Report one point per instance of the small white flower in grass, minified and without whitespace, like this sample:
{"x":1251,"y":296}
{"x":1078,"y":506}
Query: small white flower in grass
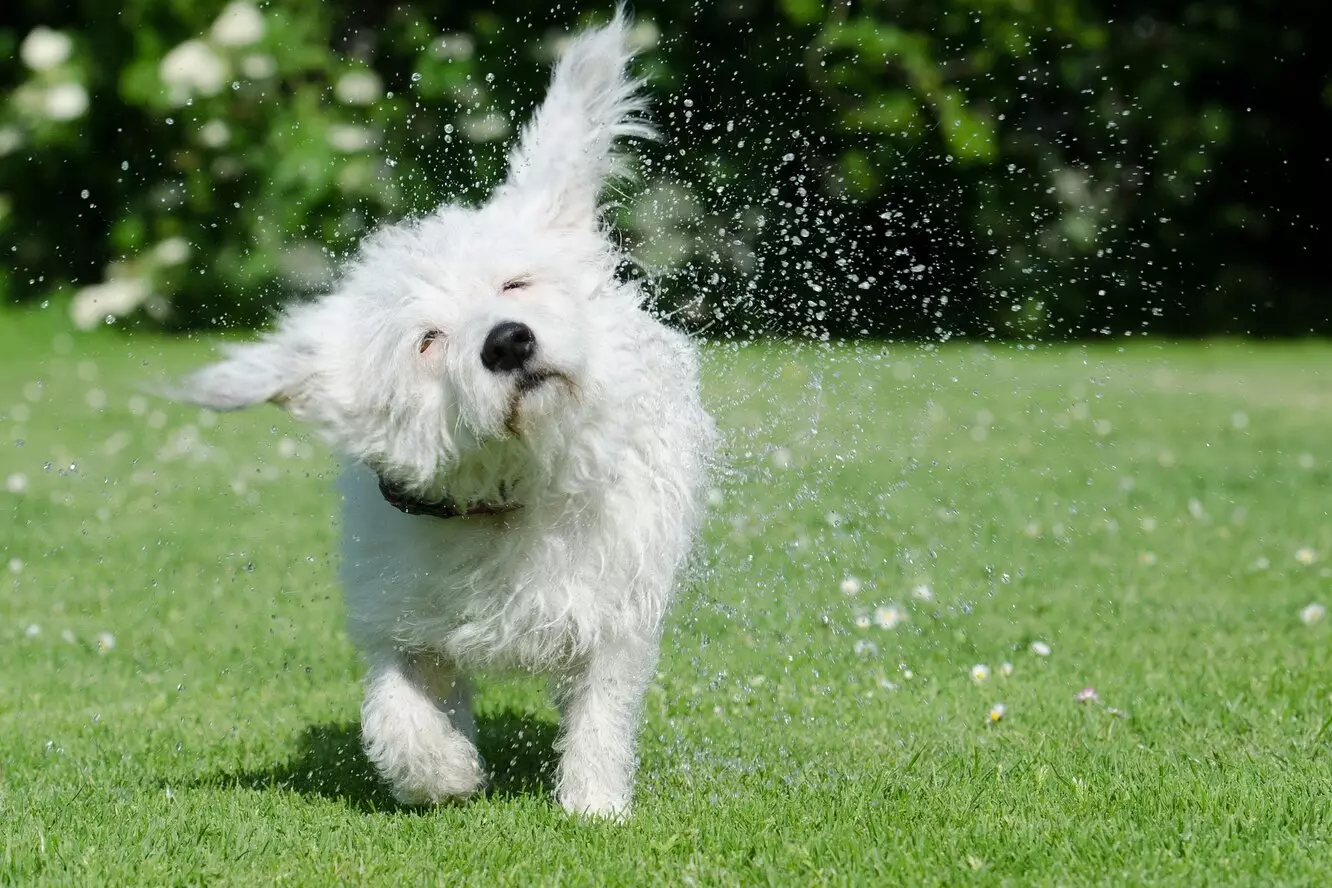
{"x":922,"y":592}
{"x":866,"y":648}
{"x":1306,"y":461}
{"x":67,"y":636}
{"x":850,"y":586}
{"x":1306,"y":555}
{"x":1196,"y":510}
{"x":890,"y":616}
{"x":65,"y":102}
{"x":44,"y":48}
{"x":782,"y":459}
{"x":1312,"y":613}
{"x":32,"y":631}
{"x":17,"y":483}
{"x":358,"y":88}
{"x":105,"y":642}
{"x":1040,"y":649}
{"x":980,"y":673}
{"x":16,"y":565}
{"x":996,"y":713}
{"x":1086,"y":695}
{"x":240,"y":24}
{"x":1005,"y":669}
{"x":862,"y":621}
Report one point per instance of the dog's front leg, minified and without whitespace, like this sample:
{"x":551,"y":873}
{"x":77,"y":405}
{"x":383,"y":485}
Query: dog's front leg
{"x":600,"y":705}
{"x":417,"y":726}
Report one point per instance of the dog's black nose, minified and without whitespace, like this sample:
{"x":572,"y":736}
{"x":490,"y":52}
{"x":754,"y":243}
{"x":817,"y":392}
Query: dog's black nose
{"x":508,"y":346}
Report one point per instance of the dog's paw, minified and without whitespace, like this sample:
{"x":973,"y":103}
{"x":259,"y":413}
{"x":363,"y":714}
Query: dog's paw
{"x":591,"y":804}
{"x":425,"y":764}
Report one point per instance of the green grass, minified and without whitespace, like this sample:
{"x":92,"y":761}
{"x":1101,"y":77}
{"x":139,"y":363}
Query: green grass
{"x":1138,"y":509}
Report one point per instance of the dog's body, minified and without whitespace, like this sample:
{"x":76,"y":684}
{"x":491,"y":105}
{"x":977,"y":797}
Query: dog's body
{"x":525,"y":447}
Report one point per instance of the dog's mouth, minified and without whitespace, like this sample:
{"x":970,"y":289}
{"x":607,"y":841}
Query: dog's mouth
{"x":528,"y":382}
{"x":535,"y":379}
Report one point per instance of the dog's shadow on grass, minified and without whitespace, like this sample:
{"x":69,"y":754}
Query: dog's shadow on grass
{"x":330,"y":763}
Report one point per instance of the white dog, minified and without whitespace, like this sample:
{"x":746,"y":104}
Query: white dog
{"x":524,"y":449}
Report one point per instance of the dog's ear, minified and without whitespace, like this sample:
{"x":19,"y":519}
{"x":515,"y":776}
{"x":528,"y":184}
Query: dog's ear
{"x":566,"y":152}
{"x":282,"y":367}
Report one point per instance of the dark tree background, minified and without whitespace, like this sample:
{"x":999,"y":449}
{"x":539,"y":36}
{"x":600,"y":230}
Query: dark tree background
{"x":999,"y":168}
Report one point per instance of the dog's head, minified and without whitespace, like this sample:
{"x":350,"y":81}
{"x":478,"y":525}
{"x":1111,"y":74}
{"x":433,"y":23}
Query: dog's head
{"x":471,"y":327}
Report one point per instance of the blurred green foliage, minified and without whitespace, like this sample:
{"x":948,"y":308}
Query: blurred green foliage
{"x":1014,"y":168}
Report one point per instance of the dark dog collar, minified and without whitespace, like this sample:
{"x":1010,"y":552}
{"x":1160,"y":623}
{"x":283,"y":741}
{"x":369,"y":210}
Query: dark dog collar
{"x":409,"y":504}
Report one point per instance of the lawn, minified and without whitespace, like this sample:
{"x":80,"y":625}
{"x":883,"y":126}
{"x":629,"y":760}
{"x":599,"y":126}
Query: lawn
{"x":179,"y":702}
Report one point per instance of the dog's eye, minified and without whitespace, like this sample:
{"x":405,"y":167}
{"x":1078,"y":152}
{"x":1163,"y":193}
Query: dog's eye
{"x":516,"y":284}
{"x":427,"y":339}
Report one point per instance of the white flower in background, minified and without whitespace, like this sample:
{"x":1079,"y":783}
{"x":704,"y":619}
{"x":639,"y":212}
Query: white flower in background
{"x":358,"y":88}
{"x":44,"y":49}
{"x":980,"y":673}
{"x":850,"y":586}
{"x":65,"y":101}
{"x":486,"y":129}
{"x":1306,"y":556}
{"x":453,"y":46}
{"x":258,"y":66}
{"x":1005,"y":669}
{"x":1040,"y":649}
{"x":172,"y":251}
{"x":240,"y":24}
{"x":643,"y":35}
{"x":18,"y":483}
{"x":193,"y":69}
{"x":114,"y":297}
{"x":996,"y":713}
{"x":922,"y":592}
{"x":1312,"y":613}
{"x":349,"y":138}
{"x":215,"y":134}
{"x":105,"y":642}
{"x":10,"y":140}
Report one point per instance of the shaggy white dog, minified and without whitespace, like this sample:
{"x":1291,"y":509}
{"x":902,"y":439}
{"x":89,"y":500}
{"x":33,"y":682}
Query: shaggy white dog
{"x":524,"y":447}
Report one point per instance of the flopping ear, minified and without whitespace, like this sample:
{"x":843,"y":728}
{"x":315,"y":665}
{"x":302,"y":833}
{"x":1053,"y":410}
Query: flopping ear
{"x":280,"y":368}
{"x":566,"y":152}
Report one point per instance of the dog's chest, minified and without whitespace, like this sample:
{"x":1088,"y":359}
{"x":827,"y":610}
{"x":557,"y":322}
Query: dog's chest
{"x":504,"y":591}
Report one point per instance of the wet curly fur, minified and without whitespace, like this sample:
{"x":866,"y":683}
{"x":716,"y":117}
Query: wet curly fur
{"x":591,"y":437}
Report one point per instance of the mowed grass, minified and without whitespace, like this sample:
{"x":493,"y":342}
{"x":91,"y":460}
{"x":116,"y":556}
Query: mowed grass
{"x":179,"y":702}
